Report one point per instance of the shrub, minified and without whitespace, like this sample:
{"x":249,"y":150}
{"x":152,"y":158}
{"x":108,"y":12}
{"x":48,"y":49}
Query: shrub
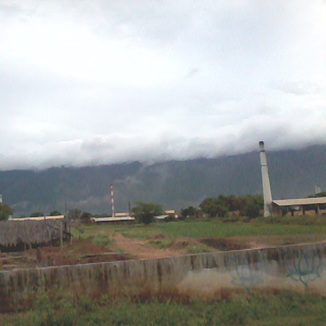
{"x":145,"y":212}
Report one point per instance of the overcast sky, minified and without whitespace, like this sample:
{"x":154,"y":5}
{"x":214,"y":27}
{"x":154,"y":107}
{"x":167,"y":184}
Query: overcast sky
{"x":94,"y":82}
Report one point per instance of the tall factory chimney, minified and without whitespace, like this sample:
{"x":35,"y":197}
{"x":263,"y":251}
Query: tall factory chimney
{"x":265,"y":179}
{"x":112,"y":201}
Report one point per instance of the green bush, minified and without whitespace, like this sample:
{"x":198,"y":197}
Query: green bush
{"x":145,"y":212}
{"x":5,"y":211}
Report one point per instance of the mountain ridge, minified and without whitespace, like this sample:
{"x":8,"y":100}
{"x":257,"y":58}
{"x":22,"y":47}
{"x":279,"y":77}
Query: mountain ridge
{"x":174,"y":184}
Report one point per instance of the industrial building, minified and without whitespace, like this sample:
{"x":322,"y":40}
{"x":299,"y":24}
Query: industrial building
{"x":299,"y":207}
{"x":288,"y":207}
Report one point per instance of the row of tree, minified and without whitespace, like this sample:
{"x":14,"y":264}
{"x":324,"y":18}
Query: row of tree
{"x":248,"y":205}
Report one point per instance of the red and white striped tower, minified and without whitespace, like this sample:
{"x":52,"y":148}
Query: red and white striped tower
{"x":112,"y":201}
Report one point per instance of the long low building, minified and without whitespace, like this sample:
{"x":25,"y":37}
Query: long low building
{"x":112,"y":219}
{"x":37,"y":218}
{"x":300,"y":206}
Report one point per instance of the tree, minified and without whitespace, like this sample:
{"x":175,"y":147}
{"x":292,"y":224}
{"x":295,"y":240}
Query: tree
{"x":209,"y":206}
{"x":85,"y":217}
{"x":231,"y":202}
{"x":5,"y":211}
{"x":214,"y":207}
{"x":74,"y":214}
{"x":37,"y":214}
{"x":145,"y":212}
{"x":189,"y":212}
{"x":251,"y":205}
{"x":55,"y":213}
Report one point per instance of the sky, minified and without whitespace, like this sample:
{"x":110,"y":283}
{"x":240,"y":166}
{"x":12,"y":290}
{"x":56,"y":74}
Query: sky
{"x":101,"y":82}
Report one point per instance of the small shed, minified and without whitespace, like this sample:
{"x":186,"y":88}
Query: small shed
{"x":20,"y":235}
{"x":300,"y":206}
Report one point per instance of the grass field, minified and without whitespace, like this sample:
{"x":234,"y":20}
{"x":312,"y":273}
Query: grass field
{"x":254,"y":308}
{"x":270,"y":232}
{"x":214,"y":229}
{"x":263,"y":309}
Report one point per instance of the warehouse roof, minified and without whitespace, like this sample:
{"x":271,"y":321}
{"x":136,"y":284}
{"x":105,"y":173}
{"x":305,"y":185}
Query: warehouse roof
{"x":112,"y":219}
{"x":300,"y":201}
{"x":37,"y":218}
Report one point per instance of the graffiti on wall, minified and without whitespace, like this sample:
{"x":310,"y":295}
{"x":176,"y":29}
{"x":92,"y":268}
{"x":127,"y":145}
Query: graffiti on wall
{"x":303,"y":266}
{"x":244,"y":272}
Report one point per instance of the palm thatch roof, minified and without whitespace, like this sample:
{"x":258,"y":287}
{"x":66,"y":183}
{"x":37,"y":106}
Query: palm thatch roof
{"x":30,"y":232}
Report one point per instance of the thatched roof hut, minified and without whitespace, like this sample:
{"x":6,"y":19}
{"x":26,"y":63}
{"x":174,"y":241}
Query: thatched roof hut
{"x":31,"y":233}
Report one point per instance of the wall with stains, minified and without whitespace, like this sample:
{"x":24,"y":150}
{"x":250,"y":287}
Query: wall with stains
{"x":300,"y":267}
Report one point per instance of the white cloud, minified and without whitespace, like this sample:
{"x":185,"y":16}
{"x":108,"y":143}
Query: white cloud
{"x":107,"y":81}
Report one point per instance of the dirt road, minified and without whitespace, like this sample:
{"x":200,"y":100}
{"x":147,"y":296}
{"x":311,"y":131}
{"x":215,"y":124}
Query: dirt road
{"x":141,"y":249}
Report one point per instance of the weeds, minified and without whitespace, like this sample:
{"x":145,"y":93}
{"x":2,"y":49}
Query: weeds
{"x":213,"y":228}
{"x":258,"y":231}
{"x":256,"y":308}
{"x":102,"y":239}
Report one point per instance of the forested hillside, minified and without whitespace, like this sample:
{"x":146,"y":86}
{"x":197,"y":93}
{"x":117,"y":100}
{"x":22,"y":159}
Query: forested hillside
{"x":174,"y":184}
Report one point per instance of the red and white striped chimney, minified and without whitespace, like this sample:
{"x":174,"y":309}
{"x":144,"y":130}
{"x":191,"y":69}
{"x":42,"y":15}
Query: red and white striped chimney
{"x":112,"y":201}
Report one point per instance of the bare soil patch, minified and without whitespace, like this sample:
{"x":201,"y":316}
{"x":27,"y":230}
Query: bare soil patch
{"x":225,"y":244}
{"x":183,"y":243}
{"x":142,"y":249}
{"x":121,"y":248}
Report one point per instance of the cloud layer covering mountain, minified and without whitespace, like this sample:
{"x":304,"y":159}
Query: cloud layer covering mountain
{"x":103,"y":82}
{"x":174,"y":184}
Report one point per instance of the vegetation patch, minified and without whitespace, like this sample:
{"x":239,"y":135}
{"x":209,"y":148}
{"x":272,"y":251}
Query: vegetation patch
{"x":96,"y":243}
{"x":255,"y":308}
{"x":224,"y":244}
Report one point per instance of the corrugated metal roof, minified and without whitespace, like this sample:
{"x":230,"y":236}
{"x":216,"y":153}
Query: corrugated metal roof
{"x":161,"y":217}
{"x":121,"y":214}
{"x":37,"y":218}
{"x":300,"y":201}
{"x":112,"y":219}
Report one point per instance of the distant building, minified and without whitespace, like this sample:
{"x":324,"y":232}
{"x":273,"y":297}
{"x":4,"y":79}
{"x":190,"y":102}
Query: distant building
{"x":37,"y":218}
{"x":167,"y":213}
{"x":121,"y":214}
{"x":288,"y":207}
{"x":112,"y":219}
{"x":299,"y":207}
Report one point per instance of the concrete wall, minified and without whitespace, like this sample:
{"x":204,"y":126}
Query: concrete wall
{"x":301,"y":268}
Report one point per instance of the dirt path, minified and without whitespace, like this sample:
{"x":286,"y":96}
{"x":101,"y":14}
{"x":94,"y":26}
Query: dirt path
{"x":141,"y":250}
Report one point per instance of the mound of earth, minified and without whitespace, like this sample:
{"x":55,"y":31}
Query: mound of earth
{"x":157,"y":236}
{"x":224,"y":244}
{"x":183,"y":243}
